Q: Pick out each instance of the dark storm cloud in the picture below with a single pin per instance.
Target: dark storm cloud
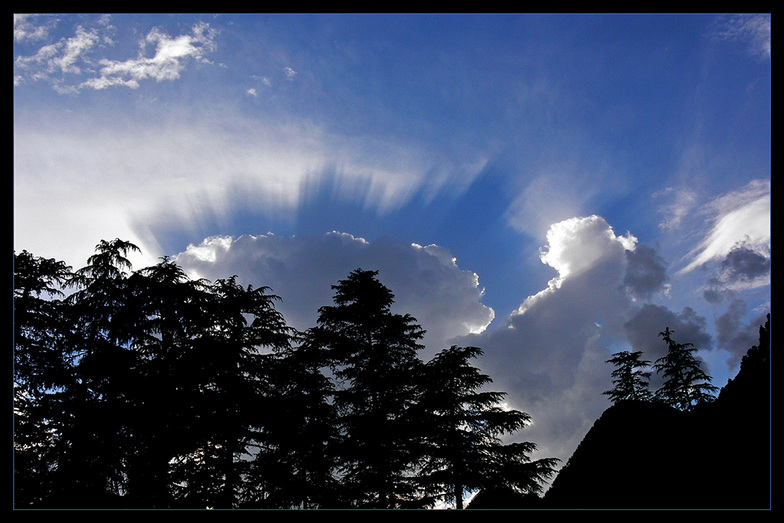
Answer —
(741, 268)
(643, 328)
(646, 272)
(743, 263)
(733, 335)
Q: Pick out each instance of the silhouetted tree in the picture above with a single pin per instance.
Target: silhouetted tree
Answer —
(373, 354)
(146, 389)
(464, 452)
(232, 364)
(295, 463)
(168, 313)
(630, 379)
(41, 369)
(685, 383)
(94, 430)
(649, 455)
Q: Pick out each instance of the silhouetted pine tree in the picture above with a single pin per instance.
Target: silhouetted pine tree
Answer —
(147, 389)
(41, 370)
(168, 314)
(232, 364)
(295, 463)
(463, 451)
(96, 434)
(630, 380)
(373, 354)
(685, 383)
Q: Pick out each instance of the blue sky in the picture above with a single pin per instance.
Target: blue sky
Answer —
(551, 188)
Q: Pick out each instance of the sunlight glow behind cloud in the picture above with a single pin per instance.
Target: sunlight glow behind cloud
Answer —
(189, 171)
(575, 246)
(571, 249)
(550, 354)
(427, 282)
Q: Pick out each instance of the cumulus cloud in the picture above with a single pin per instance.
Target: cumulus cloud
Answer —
(733, 334)
(28, 27)
(166, 63)
(60, 61)
(549, 355)
(575, 246)
(426, 280)
(66, 62)
(646, 322)
(646, 272)
(741, 269)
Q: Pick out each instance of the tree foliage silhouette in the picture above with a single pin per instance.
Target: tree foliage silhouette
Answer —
(41, 369)
(147, 389)
(685, 385)
(464, 423)
(373, 354)
(652, 455)
(630, 379)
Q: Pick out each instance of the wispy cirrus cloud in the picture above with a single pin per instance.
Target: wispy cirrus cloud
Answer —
(738, 218)
(751, 30)
(678, 203)
(133, 179)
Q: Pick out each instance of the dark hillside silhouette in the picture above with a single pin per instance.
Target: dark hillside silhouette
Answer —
(503, 498)
(648, 455)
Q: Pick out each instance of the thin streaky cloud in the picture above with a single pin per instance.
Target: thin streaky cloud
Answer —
(739, 218)
(752, 30)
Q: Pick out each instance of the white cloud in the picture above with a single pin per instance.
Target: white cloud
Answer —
(61, 57)
(87, 179)
(66, 62)
(549, 355)
(27, 27)
(741, 217)
(426, 281)
(576, 245)
(678, 204)
(752, 30)
(167, 62)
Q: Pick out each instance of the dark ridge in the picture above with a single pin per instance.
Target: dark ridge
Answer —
(644, 455)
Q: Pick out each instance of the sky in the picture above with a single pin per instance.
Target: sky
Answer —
(549, 188)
